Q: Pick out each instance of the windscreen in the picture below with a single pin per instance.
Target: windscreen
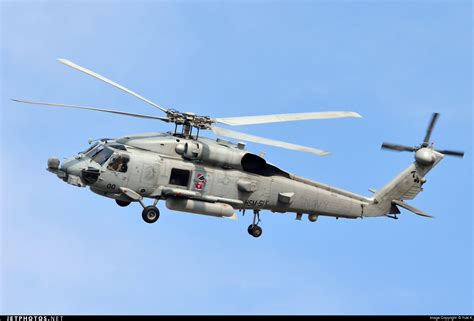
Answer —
(89, 149)
(101, 154)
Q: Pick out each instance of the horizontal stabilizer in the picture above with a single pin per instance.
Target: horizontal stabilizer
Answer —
(411, 208)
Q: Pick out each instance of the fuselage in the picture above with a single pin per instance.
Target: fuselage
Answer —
(162, 166)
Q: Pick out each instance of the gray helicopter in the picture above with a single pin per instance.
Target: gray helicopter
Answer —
(217, 177)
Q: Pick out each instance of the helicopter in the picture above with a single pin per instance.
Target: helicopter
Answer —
(199, 175)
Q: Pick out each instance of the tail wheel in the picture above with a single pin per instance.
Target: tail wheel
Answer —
(122, 203)
(150, 214)
(255, 230)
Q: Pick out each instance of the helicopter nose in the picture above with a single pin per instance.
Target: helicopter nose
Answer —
(70, 171)
(73, 167)
(53, 163)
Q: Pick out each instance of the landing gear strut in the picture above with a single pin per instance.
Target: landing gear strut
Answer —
(253, 228)
(150, 214)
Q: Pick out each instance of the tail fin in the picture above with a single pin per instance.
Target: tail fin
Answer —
(406, 186)
(408, 183)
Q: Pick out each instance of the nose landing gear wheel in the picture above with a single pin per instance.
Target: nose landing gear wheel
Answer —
(150, 214)
(254, 230)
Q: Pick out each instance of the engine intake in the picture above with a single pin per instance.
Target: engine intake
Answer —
(227, 157)
(218, 155)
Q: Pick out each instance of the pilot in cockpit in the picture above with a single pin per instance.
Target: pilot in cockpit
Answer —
(119, 163)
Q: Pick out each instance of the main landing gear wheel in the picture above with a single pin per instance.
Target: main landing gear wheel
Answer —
(150, 214)
(122, 203)
(254, 230)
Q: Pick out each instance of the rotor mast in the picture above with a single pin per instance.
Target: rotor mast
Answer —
(188, 121)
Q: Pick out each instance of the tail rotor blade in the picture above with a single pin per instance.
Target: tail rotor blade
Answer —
(429, 130)
(451, 152)
(398, 148)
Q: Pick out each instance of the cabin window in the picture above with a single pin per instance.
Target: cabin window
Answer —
(118, 163)
(179, 177)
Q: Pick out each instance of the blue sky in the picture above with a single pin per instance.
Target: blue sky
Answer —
(65, 250)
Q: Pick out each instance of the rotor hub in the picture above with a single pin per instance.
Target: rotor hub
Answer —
(425, 156)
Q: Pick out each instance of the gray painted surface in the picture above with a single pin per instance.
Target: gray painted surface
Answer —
(221, 172)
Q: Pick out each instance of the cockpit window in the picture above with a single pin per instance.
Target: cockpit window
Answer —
(118, 163)
(92, 152)
(89, 149)
(95, 151)
(121, 147)
(102, 154)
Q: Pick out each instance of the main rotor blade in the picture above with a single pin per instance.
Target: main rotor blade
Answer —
(398, 148)
(110, 82)
(429, 130)
(451, 152)
(264, 119)
(261, 140)
(92, 108)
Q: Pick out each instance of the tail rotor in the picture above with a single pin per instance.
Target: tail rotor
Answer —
(425, 145)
